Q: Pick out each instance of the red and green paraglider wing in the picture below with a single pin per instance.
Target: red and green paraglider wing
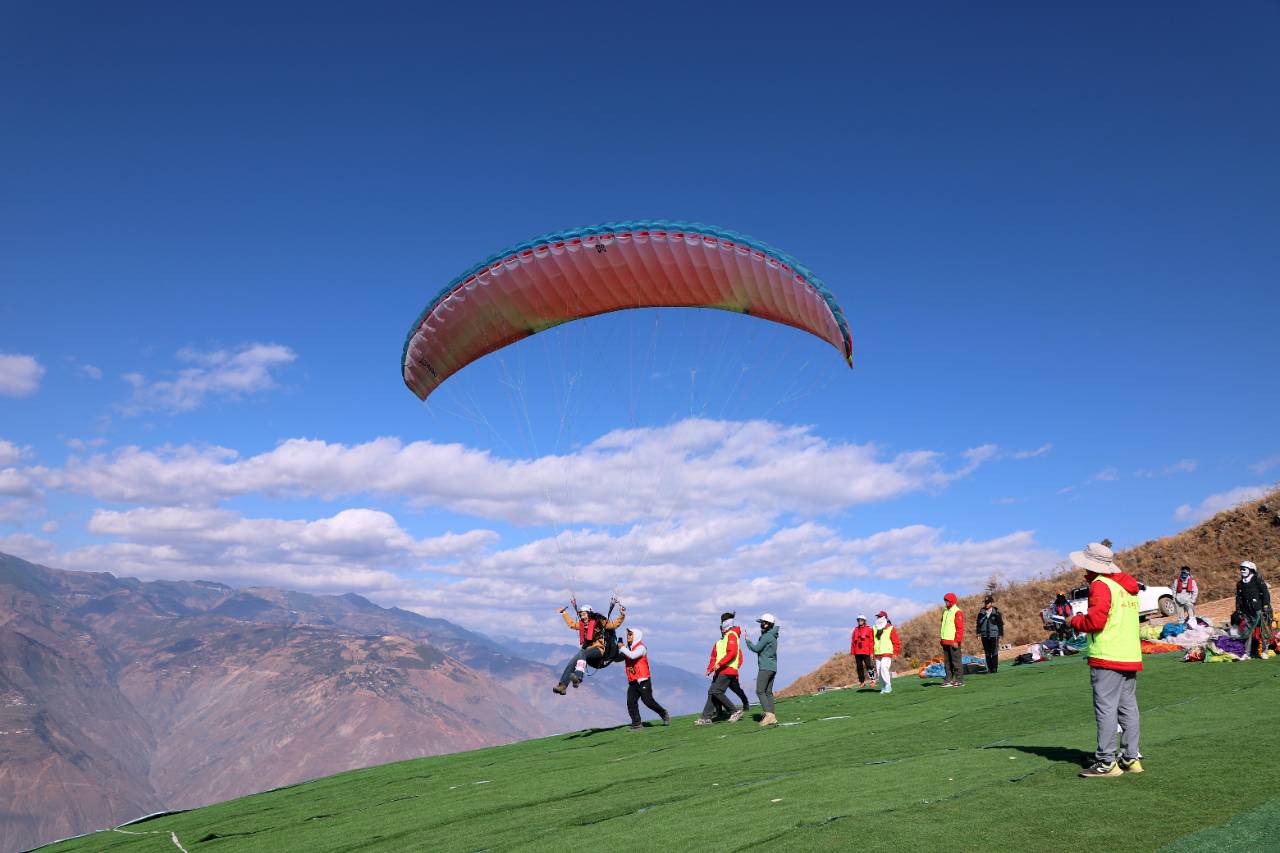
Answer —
(587, 271)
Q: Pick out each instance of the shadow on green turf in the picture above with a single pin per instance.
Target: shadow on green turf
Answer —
(1066, 755)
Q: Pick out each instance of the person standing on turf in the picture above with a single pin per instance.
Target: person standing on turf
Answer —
(639, 684)
(952, 631)
(860, 646)
(726, 657)
(735, 685)
(1253, 602)
(885, 646)
(1114, 653)
(766, 649)
(990, 631)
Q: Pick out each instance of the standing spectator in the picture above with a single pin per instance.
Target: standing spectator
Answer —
(887, 646)
(1185, 593)
(1115, 659)
(1253, 602)
(639, 684)
(952, 632)
(735, 685)
(1062, 631)
(860, 646)
(991, 631)
(766, 648)
(726, 657)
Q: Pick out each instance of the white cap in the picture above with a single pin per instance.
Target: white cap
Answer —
(768, 617)
(1248, 565)
(584, 608)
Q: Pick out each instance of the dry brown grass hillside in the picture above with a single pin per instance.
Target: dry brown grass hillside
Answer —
(1213, 549)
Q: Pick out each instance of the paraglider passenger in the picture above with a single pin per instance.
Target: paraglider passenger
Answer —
(766, 649)
(885, 646)
(639, 684)
(952, 633)
(990, 630)
(726, 658)
(860, 645)
(594, 634)
(1185, 593)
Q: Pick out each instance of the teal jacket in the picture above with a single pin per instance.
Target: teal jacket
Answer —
(767, 649)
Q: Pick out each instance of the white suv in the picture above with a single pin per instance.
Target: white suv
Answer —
(1152, 601)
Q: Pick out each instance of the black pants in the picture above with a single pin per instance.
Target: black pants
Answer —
(764, 689)
(716, 700)
(953, 664)
(591, 656)
(735, 687)
(642, 691)
(865, 668)
(991, 648)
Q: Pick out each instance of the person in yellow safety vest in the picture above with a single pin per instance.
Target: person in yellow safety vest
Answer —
(726, 658)
(952, 633)
(884, 648)
(1114, 652)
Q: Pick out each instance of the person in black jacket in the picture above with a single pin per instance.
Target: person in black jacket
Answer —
(1253, 602)
(990, 631)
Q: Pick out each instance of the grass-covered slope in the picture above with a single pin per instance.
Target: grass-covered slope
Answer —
(990, 766)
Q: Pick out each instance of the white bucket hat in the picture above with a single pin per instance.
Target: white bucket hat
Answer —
(1095, 558)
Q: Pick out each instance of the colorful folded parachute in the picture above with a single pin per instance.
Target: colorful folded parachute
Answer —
(1150, 648)
(1172, 629)
(934, 667)
(568, 275)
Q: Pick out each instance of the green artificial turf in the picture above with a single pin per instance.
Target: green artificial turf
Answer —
(991, 766)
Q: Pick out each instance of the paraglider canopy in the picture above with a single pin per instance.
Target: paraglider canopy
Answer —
(583, 272)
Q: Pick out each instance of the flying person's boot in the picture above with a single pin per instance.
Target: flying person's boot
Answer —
(559, 688)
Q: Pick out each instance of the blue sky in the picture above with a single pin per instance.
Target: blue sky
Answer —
(1052, 231)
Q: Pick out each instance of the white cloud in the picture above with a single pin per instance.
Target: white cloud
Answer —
(20, 375)
(1106, 475)
(85, 444)
(1266, 465)
(10, 453)
(625, 476)
(49, 527)
(90, 372)
(1182, 466)
(1031, 454)
(220, 373)
(1215, 504)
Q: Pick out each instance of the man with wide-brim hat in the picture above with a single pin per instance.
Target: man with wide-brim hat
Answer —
(1114, 652)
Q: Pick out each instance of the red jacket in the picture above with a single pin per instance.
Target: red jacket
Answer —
(1095, 618)
(723, 665)
(862, 641)
(959, 630)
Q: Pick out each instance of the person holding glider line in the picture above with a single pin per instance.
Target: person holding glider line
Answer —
(766, 649)
(639, 683)
(597, 640)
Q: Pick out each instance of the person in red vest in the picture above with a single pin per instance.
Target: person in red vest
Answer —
(735, 686)
(886, 645)
(860, 646)
(639, 683)
(1114, 653)
(1185, 593)
(593, 635)
(952, 633)
(726, 658)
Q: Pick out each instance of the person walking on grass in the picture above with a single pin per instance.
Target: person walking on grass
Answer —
(952, 631)
(1185, 592)
(766, 649)
(860, 646)
(735, 685)
(886, 645)
(990, 631)
(1114, 653)
(726, 658)
(639, 683)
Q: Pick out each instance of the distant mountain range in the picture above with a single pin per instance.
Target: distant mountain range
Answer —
(120, 697)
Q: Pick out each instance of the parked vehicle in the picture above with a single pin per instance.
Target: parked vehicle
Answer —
(1152, 601)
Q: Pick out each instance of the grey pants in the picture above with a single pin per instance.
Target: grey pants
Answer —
(1115, 702)
(953, 663)
(715, 697)
(764, 689)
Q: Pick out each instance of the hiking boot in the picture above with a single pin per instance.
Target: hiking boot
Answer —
(769, 720)
(947, 684)
(635, 727)
(666, 719)
(559, 688)
(1101, 770)
(702, 721)
(1133, 765)
(735, 716)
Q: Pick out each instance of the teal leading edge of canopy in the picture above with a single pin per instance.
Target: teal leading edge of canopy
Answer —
(636, 225)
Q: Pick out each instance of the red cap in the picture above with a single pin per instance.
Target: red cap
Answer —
(882, 613)
(949, 598)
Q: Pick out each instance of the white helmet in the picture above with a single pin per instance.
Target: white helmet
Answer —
(584, 608)
(1248, 566)
(768, 617)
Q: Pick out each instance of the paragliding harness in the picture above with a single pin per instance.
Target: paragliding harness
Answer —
(587, 635)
